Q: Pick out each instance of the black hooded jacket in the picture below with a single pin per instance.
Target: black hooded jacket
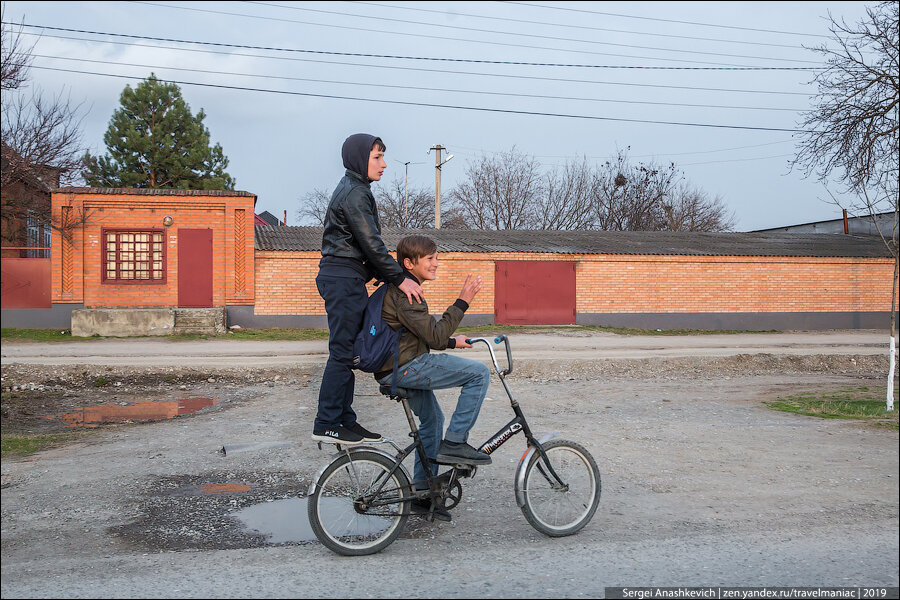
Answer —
(352, 235)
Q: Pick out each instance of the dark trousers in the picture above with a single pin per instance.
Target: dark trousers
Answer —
(345, 303)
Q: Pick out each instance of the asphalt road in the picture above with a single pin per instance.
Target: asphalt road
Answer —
(702, 484)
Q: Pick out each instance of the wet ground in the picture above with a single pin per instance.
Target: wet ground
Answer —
(702, 484)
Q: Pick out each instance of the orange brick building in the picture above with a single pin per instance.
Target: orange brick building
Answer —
(148, 248)
(172, 248)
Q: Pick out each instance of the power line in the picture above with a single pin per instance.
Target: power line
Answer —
(713, 162)
(419, 35)
(402, 57)
(609, 14)
(571, 26)
(431, 105)
(441, 71)
(462, 150)
(528, 35)
(405, 87)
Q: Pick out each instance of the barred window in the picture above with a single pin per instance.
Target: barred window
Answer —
(134, 256)
(37, 237)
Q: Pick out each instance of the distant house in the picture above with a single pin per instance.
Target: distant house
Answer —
(269, 219)
(859, 225)
(25, 206)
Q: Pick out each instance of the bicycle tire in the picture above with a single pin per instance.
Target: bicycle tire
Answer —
(337, 517)
(553, 511)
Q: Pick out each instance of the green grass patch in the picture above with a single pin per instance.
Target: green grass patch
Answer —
(864, 403)
(277, 334)
(37, 335)
(285, 334)
(479, 330)
(24, 445)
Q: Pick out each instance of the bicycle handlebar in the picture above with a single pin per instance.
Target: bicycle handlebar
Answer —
(497, 340)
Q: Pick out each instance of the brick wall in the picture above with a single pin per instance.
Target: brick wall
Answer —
(76, 268)
(282, 283)
(625, 283)
(622, 284)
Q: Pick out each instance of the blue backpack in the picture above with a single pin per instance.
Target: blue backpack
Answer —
(376, 342)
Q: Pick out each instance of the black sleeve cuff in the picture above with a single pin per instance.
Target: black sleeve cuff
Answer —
(461, 304)
(452, 343)
(399, 279)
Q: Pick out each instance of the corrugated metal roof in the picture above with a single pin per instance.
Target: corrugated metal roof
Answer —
(601, 242)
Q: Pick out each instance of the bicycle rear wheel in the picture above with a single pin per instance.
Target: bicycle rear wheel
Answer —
(358, 506)
(557, 510)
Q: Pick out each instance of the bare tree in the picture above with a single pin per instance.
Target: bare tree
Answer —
(45, 133)
(41, 137)
(691, 209)
(852, 128)
(852, 132)
(499, 192)
(400, 206)
(630, 197)
(16, 56)
(313, 206)
(566, 203)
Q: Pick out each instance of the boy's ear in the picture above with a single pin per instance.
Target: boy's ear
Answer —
(408, 264)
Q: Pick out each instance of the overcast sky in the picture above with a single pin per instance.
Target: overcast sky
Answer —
(284, 83)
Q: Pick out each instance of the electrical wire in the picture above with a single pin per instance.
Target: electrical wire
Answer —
(405, 87)
(624, 16)
(401, 57)
(370, 30)
(456, 13)
(432, 105)
(528, 35)
(441, 71)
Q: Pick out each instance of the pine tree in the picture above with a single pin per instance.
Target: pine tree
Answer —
(153, 141)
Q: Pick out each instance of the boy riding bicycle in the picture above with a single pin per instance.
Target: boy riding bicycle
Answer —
(422, 372)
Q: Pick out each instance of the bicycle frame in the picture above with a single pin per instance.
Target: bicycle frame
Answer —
(516, 425)
(519, 423)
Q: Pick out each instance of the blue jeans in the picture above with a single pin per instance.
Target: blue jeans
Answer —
(436, 372)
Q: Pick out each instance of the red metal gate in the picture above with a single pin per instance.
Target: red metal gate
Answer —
(534, 293)
(25, 282)
(195, 267)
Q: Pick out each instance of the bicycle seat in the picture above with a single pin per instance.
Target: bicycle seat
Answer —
(401, 392)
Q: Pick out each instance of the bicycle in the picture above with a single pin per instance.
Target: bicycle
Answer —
(359, 502)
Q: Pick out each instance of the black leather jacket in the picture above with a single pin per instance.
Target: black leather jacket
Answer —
(353, 231)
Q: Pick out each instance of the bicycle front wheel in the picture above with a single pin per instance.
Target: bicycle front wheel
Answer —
(359, 506)
(558, 510)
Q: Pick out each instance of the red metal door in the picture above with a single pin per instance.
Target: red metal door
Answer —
(195, 267)
(534, 293)
(25, 283)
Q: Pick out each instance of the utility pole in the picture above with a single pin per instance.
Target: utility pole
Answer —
(438, 163)
(406, 194)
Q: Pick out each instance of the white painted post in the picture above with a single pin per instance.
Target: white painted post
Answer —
(890, 384)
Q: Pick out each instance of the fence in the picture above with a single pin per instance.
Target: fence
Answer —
(25, 279)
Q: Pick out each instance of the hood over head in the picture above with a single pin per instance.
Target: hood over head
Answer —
(355, 152)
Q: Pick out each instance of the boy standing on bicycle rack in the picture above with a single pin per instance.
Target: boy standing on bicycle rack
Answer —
(422, 372)
(352, 253)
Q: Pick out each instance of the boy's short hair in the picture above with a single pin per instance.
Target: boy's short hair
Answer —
(415, 247)
(377, 143)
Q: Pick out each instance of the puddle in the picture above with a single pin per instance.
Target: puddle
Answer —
(149, 410)
(287, 520)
